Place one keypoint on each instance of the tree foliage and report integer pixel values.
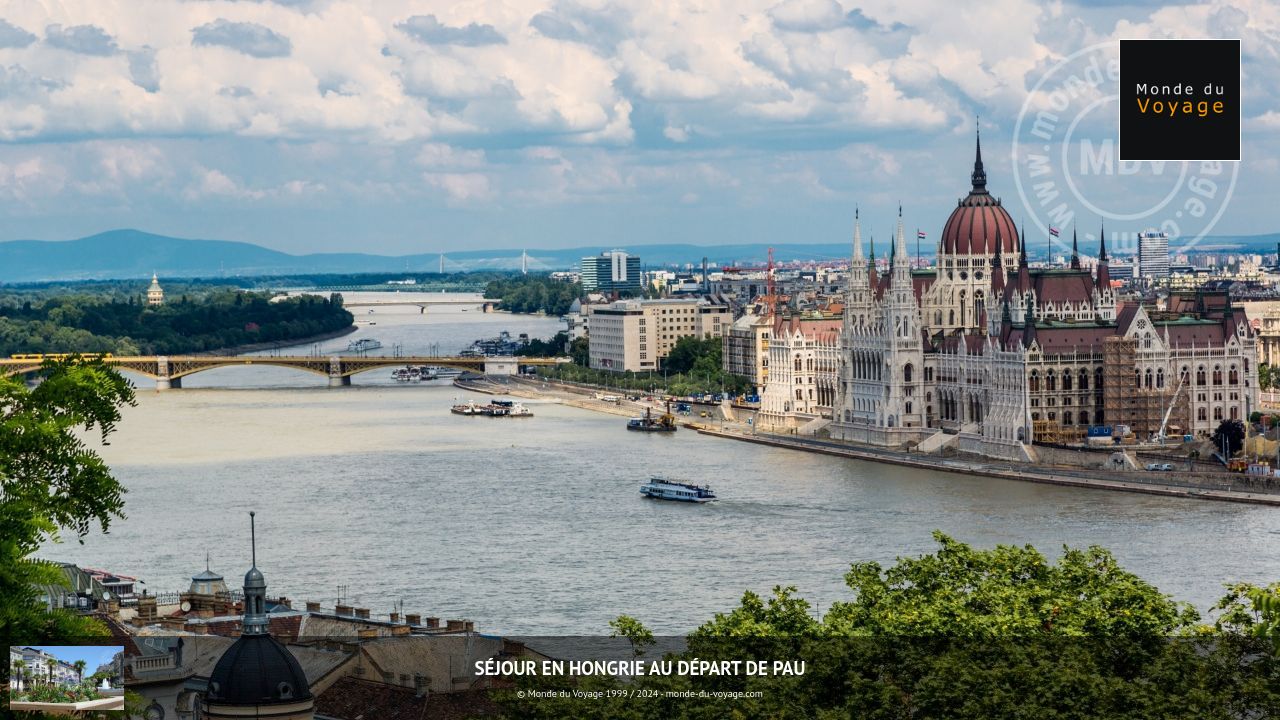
(210, 320)
(533, 293)
(966, 633)
(52, 482)
(1229, 434)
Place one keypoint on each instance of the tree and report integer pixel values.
(80, 665)
(1230, 433)
(51, 482)
(580, 351)
(969, 633)
(634, 631)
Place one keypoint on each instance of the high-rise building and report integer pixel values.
(612, 272)
(1153, 254)
(635, 335)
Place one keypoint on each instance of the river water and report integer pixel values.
(535, 526)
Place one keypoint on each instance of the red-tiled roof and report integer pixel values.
(977, 220)
(1058, 286)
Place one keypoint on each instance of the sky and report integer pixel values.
(93, 655)
(399, 127)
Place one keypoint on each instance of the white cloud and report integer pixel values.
(461, 188)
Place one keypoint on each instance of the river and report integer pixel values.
(535, 526)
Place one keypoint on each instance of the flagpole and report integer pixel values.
(917, 244)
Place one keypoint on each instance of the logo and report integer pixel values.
(1068, 169)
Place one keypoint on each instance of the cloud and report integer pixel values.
(143, 69)
(83, 39)
(426, 29)
(249, 38)
(461, 188)
(12, 36)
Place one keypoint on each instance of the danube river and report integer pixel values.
(535, 526)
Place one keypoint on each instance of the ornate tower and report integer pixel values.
(257, 677)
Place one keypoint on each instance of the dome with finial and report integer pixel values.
(979, 219)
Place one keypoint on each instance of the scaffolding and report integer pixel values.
(1128, 402)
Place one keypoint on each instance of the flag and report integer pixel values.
(920, 235)
(1053, 231)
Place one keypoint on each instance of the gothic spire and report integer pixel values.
(997, 266)
(1102, 243)
(1075, 249)
(857, 237)
(979, 175)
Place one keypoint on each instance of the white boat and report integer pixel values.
(363, 345)
(663, 489)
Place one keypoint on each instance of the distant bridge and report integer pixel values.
(168, 371)
(487, 304)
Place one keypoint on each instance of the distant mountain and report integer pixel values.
(122, 254)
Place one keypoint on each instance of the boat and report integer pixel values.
(509, 408)
(467, 408)
(666, 422)
(363, 345)
(662, 489)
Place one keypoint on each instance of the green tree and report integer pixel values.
(634, 631)
(964, 633)
(580, 351)
(79, 665)
(1230, 434)
(52, 482)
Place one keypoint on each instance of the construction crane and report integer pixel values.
(1160, 436)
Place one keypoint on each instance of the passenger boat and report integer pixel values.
(363, 345)
(665, 422)
(663, 489)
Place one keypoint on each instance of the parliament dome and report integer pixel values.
(979, 220)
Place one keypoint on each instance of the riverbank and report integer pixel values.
(1204, 488)
(259, 347)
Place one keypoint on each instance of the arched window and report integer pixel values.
(951, 317)
(1160, 378)
(799, 364)
(1232, 376)
(1035, 381)
(1149, 375)
(1201, 415)
(1200, 375)
(937, 317)
(1050, 382)
(1084, 379)
(1066, 380)
(907, 372)
(1217, 374)
(1066, 418)
(1217, 413)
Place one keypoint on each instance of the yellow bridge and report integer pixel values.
(168, 371)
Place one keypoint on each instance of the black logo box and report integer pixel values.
(1177, 72)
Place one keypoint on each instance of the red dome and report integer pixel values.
(979, 219)
(982, 218)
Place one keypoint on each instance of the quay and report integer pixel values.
(1057, 476)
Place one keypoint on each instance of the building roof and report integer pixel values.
(257, 670)
(1074, 286)
(979, 220)
(356, 699)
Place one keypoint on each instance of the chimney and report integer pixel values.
(362, 613)
(433, 622)
(468, 625)
(313, 607)
(413, 619)
(343, 610)
(395, 617)
(454, 625)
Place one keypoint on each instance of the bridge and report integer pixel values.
(424, 303)
(168, 371)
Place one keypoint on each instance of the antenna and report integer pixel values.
(253, 538)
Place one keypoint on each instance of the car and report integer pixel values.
(1154, 467)
(1167, 467)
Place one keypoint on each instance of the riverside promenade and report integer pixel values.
(1050, 475)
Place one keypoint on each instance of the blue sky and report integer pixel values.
(399, 126)
(93, 655)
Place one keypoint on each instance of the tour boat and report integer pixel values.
(663, 489)
(507, 408)
(363, 345)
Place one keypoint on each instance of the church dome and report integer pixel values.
(257, 670)
(979, 220)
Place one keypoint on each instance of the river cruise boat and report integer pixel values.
(648, 422)
(663, 489)
(363, 345)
